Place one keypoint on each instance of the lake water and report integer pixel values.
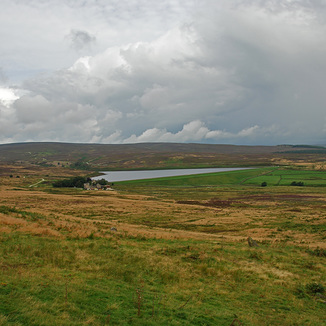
(115, 176)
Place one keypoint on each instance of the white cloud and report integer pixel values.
(195, 131)
(38, 33)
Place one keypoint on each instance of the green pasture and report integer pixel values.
(206, 179)
(137, 281)
(284, 177)
(273, 176)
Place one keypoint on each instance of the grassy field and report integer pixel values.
(273, 176)
(164, 252)
(281, 177)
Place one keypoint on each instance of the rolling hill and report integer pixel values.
(152, 155)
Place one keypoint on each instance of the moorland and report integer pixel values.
(170, 251)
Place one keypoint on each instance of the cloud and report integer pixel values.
(3, 76)
(31, 109)
(81, 39)
(244, 72)
(192, 131)
(35, 31)
(196, 131)
(7, 96)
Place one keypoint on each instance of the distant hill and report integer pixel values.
(150, 155)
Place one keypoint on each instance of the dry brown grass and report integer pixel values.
(81, 214)
(214, 274)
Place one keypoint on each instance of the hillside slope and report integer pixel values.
(151, 155)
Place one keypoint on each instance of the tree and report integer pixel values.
(102, 182)
(77, 182)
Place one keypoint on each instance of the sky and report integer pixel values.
(245, 72)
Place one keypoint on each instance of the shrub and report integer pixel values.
(317, 252)
(314, 288)
(297, 184)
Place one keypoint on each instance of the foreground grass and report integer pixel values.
(138, 281)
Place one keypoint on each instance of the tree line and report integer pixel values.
(77, 182)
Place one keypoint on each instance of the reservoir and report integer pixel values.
(115, 176)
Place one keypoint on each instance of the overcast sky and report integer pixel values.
(125, 71)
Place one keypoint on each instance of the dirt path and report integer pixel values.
(35, 184)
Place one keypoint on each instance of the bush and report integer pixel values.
(317, 252)
(297, 184)
(314, 288)
(264, 184)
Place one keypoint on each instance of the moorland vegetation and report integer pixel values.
(170, 251)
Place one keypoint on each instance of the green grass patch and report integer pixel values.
(272, 176)
(304, 227)
(284, 177)
(207, 179)
(131, 280)
(29, 216)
